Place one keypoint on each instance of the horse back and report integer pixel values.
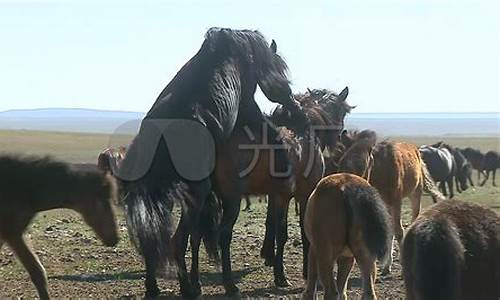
(397, 169)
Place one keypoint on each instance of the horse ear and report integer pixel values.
(309, 90)
(273, 46)
(343, 95)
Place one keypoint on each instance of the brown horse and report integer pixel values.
(491, 164)
(452, 251)
(30, 185)
(345, 220)
(397, 172)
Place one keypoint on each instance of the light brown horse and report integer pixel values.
(29, 185)
(452, 251)
(397, 172)
(345, 220)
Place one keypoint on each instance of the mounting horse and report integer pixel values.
(463, 170)
(476, 159)
(397, 171)
(452, 251)
(345, 220)
(32, 184)
(490, 164)
(441, 165)
(174, 154)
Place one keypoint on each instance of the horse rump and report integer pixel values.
(432, 258)
(366, 207)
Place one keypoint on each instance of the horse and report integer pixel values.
(491, 163)
(325, 111)
(345, 219)
(395, 169)
(172, 158)
(476, 159)
(34, 184)
(441, 165)
(463, 171)
(452, 251)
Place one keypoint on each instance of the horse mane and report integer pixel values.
(249, 48)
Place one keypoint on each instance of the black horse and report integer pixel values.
(491, 164)
(172, 157)
(463, 171)
(476, 159)
(441, 165)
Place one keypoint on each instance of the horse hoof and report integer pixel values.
(281, 282)
(152, 293)
(232, 291)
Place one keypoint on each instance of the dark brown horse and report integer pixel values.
(476, 159)
(345, 220)
(31, 184)
(490, 164)
(174, 154)
(452, 251)
(397, 172)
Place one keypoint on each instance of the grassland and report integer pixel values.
(78, 266)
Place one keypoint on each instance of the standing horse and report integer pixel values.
(30, 185)
(325, 111)
(173, 155)
(463, 170)
(441, 165)
(452, 251)
(476, 159)
(491, 164)
(397, 172)
(345, 220)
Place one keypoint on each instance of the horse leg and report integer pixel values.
(180, 238)
(281, 204)
(442, 187)
(305, 241)
(231, 210)
(247, 203)
(494, 173)
(312, 278)
(486, 177)
(367, 267)
(395, 210)
(344, 269)
(450, 187)
(195, 242)
(326, 258)
(267, 251)
(457, 184)
(31, 264)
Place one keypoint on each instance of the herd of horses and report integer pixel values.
(348, 185)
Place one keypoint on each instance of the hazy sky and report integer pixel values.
(395, 55)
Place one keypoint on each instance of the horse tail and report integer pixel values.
(429, 185)
(366, 207)
(432, 255)
(211, 215)
(150, 220)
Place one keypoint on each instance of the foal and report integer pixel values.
(29, 185)
(395, 169)
(452, 251)
(345, 220)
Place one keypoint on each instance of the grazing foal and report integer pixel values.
(29, 185)
(452, 251)
(345, 220)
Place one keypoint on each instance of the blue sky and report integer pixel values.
(395, 55)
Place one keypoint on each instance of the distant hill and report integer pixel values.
(386, 124)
